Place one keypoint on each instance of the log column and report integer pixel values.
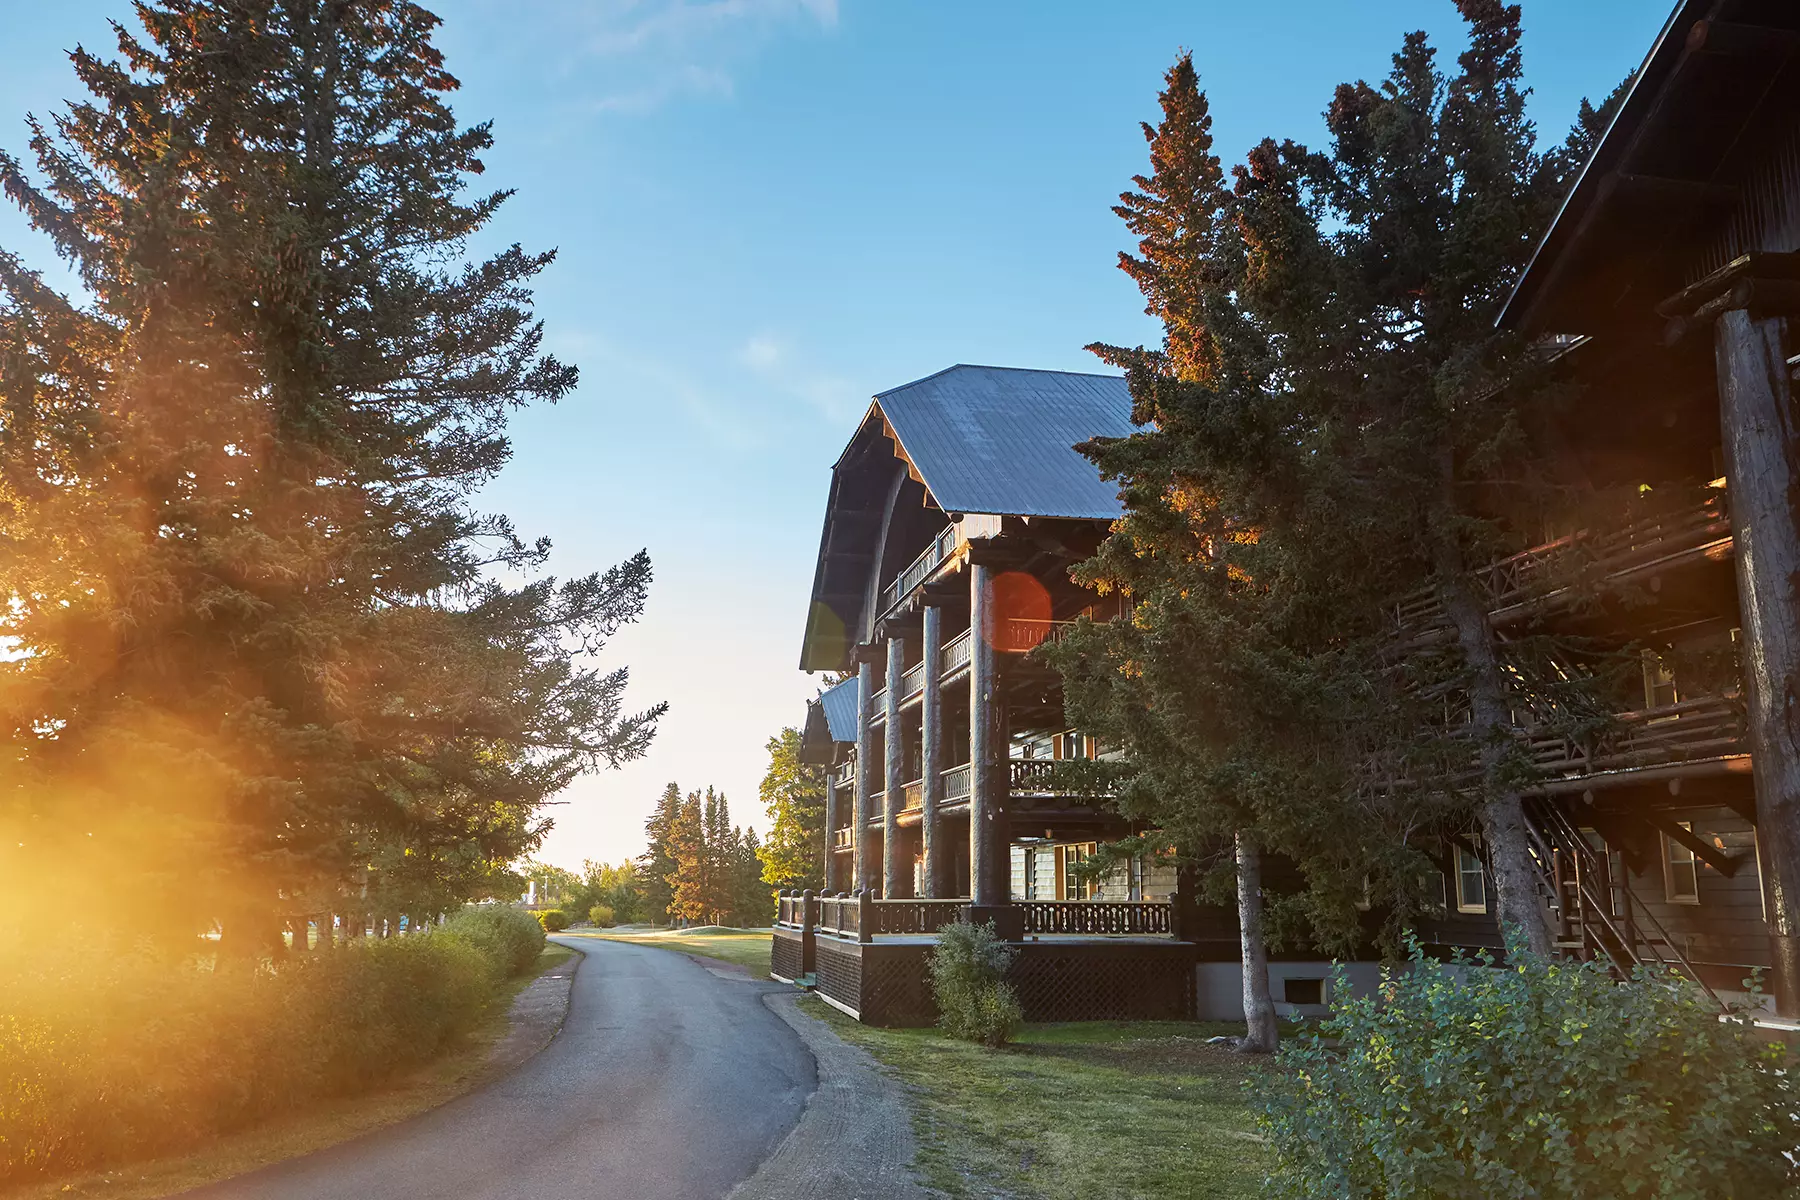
(896, 878)
(987, 761)
(931, 730)
(863, 864)
(1757, 423)
(833, 819)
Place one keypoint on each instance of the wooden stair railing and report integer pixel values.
(1592, 908)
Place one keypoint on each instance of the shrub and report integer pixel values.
(1543, 1079)
(553, 920)
(968, 977)
(601, 915)
(164, 1052)
(510, 938)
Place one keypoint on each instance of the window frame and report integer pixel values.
(1671, 848)
(1459, 853)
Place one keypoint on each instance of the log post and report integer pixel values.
(896, 873)
(833, 821)
(863, 863)
(931, 732)
(1757, 424)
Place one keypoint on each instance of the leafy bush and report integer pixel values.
(164, 1052)
(553, 920)
(509, 938)
(601, 915)
(968, 977)
(1544, 1079)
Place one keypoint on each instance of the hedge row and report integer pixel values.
(110, 1058)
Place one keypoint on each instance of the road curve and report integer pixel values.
(667, 1082)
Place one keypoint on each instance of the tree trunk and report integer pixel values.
(1756, 417)
(1502, 810)
(1260, 1033)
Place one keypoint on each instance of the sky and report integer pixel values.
(766, 211)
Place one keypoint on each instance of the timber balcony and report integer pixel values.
(1544, 577)
(919, 569)
(1076, 960)
(1031, 788)
(1012, 635)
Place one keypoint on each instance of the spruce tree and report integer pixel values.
(657, 867)
(265, 638)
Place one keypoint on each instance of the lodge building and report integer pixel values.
(1671, 835)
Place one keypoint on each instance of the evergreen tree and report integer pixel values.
(753, 898)
(657, 867)
(262, 634)
(690, 882)
(793, 795)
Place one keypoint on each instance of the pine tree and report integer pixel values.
(793, 795)
(265, 640)
(753, 898)
(657, 867)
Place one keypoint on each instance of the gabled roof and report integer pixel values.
(1001, 439)
(1719, 85)
(839, 705)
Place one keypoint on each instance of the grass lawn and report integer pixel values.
(1145, 1110)
(745, 947)
(458, 1070)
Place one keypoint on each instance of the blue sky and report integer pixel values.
(768, 210)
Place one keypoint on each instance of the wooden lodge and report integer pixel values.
(1665, 289)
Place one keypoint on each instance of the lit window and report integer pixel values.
(1659, 682)
(1074, 887)
(1471, 883)
(1681, 870)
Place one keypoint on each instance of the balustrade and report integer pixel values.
(956, 783)
(913, 796)
(840, 838)
(1705, 727)
(839, 915)
(955, 653)
(919, 569)
(1017, 635)
(1143, 918)
(913, 682)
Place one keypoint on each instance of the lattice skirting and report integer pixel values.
(890, 984)
(787, 957)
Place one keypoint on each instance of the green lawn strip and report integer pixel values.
(458, 1070)
(1141, 1110)
(745, 947)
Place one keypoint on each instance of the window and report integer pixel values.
(1068, 858)
(1659, 682)
(1681, 870)
(1471, 883)
(1303, 991)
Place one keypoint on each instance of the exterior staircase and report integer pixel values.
(1593, 913)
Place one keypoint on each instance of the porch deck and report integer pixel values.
(1093, 961)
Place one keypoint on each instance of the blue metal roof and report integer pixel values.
(1001, 439)
(839, 703)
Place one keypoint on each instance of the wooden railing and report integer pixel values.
(1016, 635)
(912, 795)
(1593, 911)
(841, 838)
(955, 652)
(839, 915)
(791, 909)
(917, 916)
(1706, 727)
(913, 681)
(956, 782)
(1037, 777)
(1143, 918)
(919, 569)
(1543, 571)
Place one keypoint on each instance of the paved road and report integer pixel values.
(667, 1082)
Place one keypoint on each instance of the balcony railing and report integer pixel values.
(840, 915)
(1140, 918)
(955, 652)
(913, 682)
(1017, 635)
(956, 783)
(913, 796)
(919, 569)
(1036, 777)
(1543, 572)
(917, 916)
(1705, 727)
(841, 838)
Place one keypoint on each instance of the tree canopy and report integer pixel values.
(261, 639)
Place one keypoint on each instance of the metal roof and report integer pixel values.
(839, 703)
(1001, 439)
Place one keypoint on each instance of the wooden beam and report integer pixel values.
(1726, 864)
(1667, 192)
(1736, 39)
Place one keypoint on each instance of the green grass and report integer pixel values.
(746, 947)
(1138, 1110)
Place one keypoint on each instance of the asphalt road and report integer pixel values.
(667, 1082)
